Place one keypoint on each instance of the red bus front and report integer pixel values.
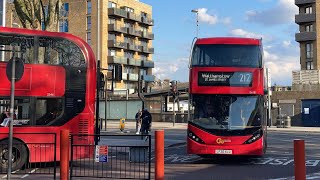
(227, 98)
(57, 91)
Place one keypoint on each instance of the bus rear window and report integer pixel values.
(41, 50)
(226, 55)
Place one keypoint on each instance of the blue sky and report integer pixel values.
(271, 20)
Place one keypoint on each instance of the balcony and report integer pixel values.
(134, 17)
(133, 32)
(117, 12)
(147, 64)
(134, 62)
(117, 44)
(303, 2)
(148, 78)
(305, 36)
(115, 28)
(305, 18)
(147, 50)
(117, 60)
(124, 76)
(147, 21)
(132, 47)
(133, 77)
(147, 35)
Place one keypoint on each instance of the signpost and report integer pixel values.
(13, 76)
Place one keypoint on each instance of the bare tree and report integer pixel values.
(32, 13)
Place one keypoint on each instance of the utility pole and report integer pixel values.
(197, 14)
(173, 85)
(269, 94)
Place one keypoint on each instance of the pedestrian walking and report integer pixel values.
(146, 120)
(138, 121)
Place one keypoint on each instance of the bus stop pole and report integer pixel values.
(11, 117)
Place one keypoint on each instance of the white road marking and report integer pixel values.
(13, 172)
(32, 171)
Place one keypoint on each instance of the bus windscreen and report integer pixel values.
(227, 112)
(227, 55)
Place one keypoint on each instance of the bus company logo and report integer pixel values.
(222, 141)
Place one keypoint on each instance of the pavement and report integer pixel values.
(130, 126)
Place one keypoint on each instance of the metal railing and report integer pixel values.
(36, 157)
(115, 157)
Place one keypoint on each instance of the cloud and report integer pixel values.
(244, 33)
(282, 13)
(170, 70)
(212, 19)
(281, 67)
(286, 44)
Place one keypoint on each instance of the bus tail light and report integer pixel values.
(256, 135)
(194, 137)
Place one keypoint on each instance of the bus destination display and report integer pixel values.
(241, 79)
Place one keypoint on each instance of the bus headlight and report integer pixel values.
(194, 137)
(256, 135)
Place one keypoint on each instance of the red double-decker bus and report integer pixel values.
(227, 97)
(57, 91)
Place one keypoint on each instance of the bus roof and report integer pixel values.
(229, 40)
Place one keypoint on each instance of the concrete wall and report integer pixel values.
(292, 98)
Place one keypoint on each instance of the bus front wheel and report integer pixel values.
(19, 155)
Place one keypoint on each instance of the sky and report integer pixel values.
(272, 20)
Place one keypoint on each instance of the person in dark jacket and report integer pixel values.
(146, 121)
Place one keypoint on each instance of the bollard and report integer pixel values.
(64, 154)
(299, 160)
(159, 155)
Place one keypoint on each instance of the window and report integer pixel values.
(144, 15)
(111, 21)
(64, 12)
(128, 54)
(309, 28)
(111, 52)
(309, 50)
(88, 22)
(89, 7)
(144, 43)
(128, 9)
(309, 65)
(63, 25)
(112, 37)
(112, 4)
(143, 57)
(128, 25)
(128, 69)
(143, 72)
(308, 10)
(129, 40)
(42, 111)
(89, 38)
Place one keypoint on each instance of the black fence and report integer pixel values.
(115, 157)
(37, 156)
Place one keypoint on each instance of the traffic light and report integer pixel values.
(118, 72)
(173, 86)
(102, 81)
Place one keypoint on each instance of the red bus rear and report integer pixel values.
(227, 98)
(57, 91)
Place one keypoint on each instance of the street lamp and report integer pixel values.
(197, 13)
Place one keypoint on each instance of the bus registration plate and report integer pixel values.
(222, 151)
